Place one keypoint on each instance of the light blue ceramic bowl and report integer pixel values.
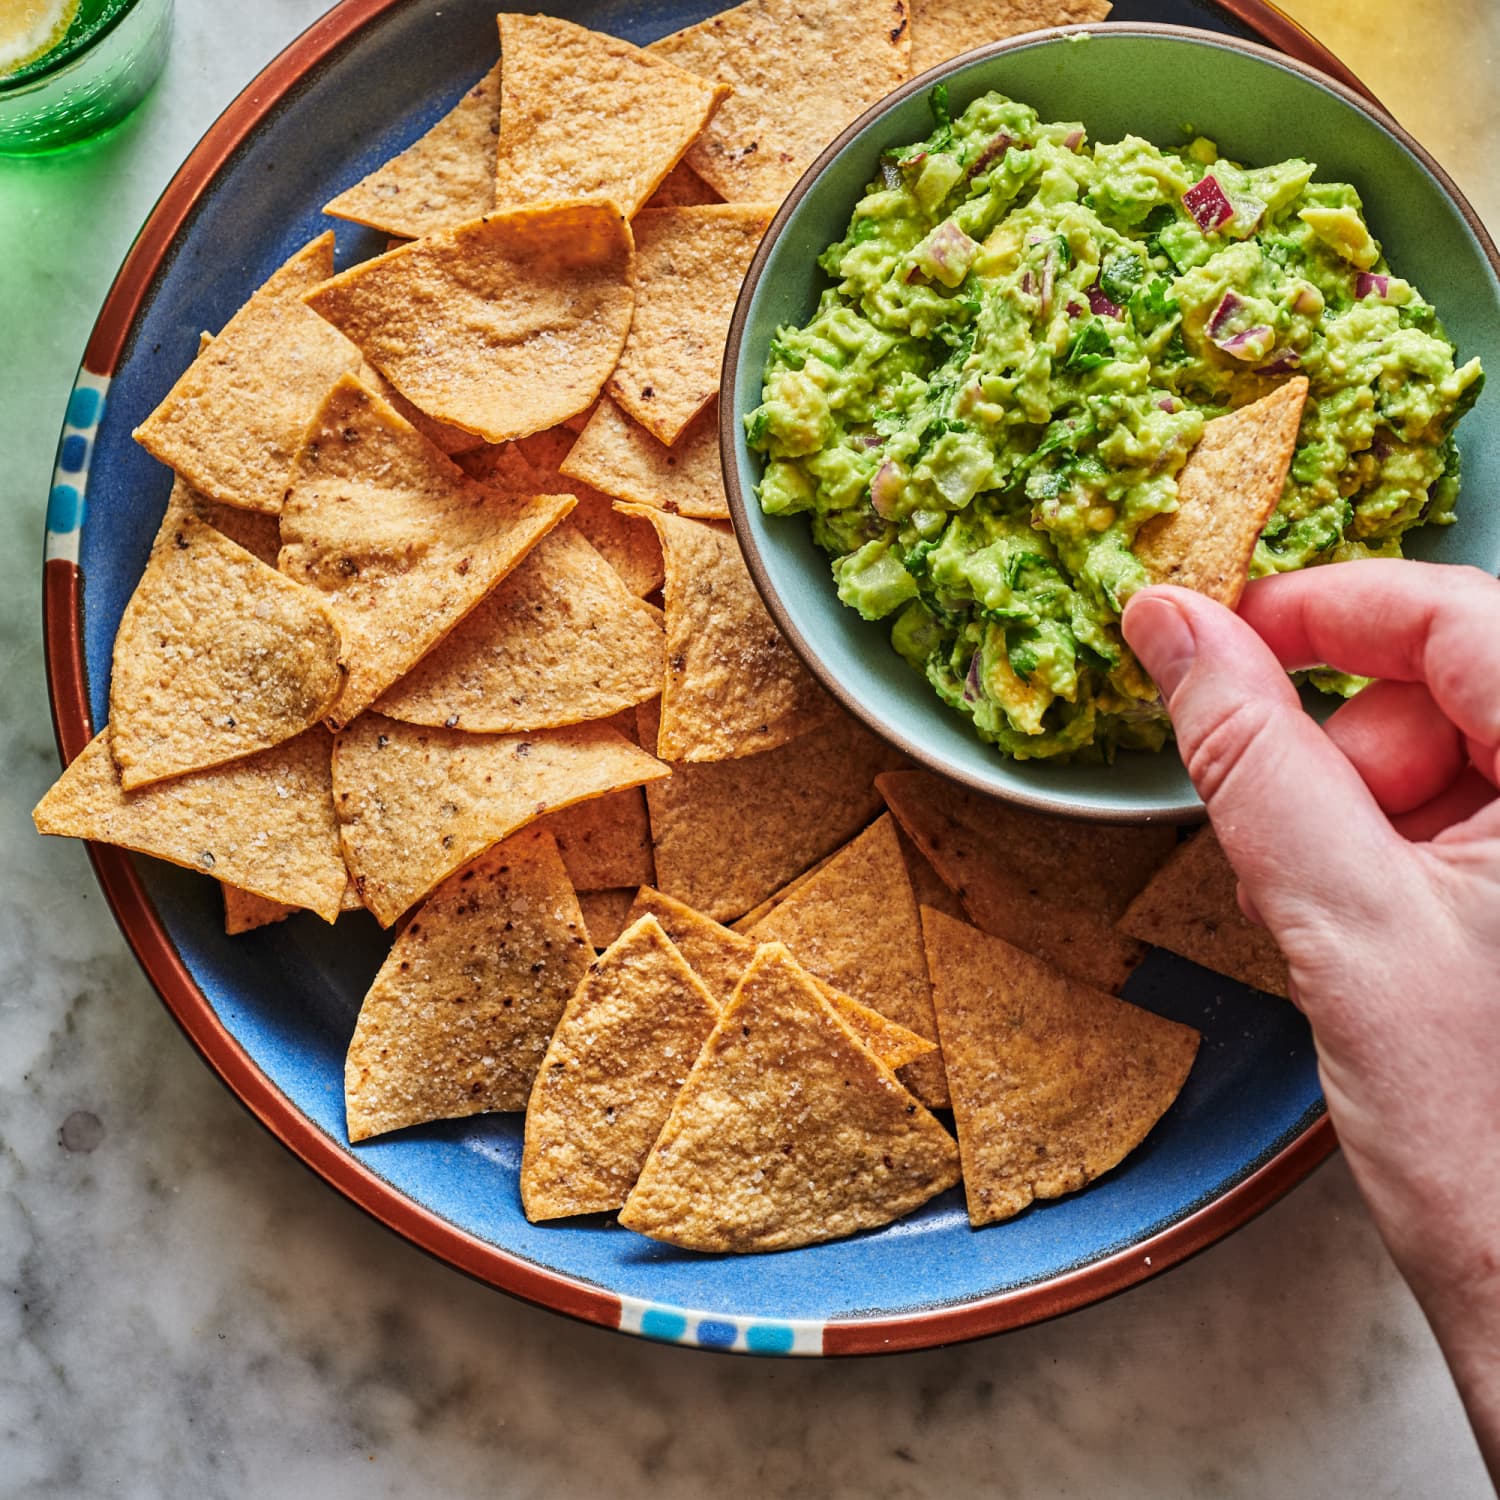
(1167, 84)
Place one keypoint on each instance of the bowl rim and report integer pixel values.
(731, 435)
(150, 941)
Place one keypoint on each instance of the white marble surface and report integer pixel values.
(186, 1312)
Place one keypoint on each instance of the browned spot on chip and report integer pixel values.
(1226, 492)
(625, 1044)
(788, 1131)
(941, 29)
(460, 1014)
(1053, 1082)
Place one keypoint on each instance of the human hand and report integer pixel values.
(1370, 847)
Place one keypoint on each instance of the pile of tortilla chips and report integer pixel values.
(444, 622)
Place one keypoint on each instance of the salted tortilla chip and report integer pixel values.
(445, 177)
(728, 833)
(619, 457)
(855, 926)
(414, 804)
(258, 532)
(1053, 1082)
(605, 842)
(234, 421)
(627, 543)
(452, 440)
(460, 1014)
(689, 266)
(1190, 908)
(619, 1057)
(1052, 886)
(733, 686)
(502, 325)
(217, 656)
(244, 911)
(264, 823)
(801, 70)
(941, 29)
(926, 884)
(1226, 492)
(766, 907)
(787, 1131)
(719, 957)
(561, 640)
(605, 914)
(398, 541)
(682, 187)
(585, 115)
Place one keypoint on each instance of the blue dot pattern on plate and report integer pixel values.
(673, 1325)
(70, 477)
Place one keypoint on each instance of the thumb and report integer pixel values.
(1292, 813)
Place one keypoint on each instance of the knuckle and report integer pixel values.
(1220, 749)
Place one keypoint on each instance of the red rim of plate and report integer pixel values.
(148, 938)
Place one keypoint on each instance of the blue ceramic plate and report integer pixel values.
(272, 1011)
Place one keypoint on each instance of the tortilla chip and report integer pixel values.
(689, 266)
(452, 440)
(255, 530)
(729, 833)
(801, 70)
(1053, 1082)
(605, 842)
(605, 914)
(626, 543)
(1189, 907)
(926, 884)
(941, 29)
(787, 1131)
(1226, 492)
(460, 1014)
(397, 540)
(621, 458)
(619, 1057)
(585, 115)
(217, 656)
(443, 178)
(561, 640)
(855, 926)
(1052, 886)
(682, 187)
(501, 326)
(244, 911)
(766, 907)
(234, 421)
(415, 804)
(719, 957)
(733, 685)
(264, 823)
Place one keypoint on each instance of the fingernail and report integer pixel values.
(1158, 633)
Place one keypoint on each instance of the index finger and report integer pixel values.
(1404, 621)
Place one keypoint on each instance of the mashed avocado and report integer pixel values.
(1024, 338)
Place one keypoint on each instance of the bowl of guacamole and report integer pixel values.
(983, 340)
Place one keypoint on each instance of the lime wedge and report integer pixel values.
(28, 28)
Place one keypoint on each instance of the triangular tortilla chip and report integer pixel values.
(605, 914)
(855, 926)
(1052, 886)
(1226, 492)
(1190, 908)
(801, 70)
(244, 911)
(452, 440)
(399, 541)
(766, 907)
(729, 833)
(264, 823)
(619, 1057)
(682, 187)
(689, 266)
(460, 1014)
(733, 685)
(645, 112)
(941, 29)
(443, 178)
(257, 531)
(234, 420)
(605, 842)
(926, 884)
(626, 543)
(501, 326)
(621, 458)
(719, 957)
(217, 656)
(787, 1131)
(1053, 1082)
(561, 640)
(415, 804)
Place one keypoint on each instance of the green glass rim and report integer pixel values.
(52, 63)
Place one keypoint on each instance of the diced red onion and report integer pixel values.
(1208, 204)
(1229, 305)
(1049, 276)
(1167, 404)
(1028, 285)
(911, 163)
(1075, 309)
(1101, 304)
(1251, 344)
(950, 250)
(870, 440)
(998, 146)
(1371, 281)
(1280, 362)
(1073, 140)
(1308, 301)
(915, 275)
(973, 690)
(885, 489)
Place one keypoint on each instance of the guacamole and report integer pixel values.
(1024, 337)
